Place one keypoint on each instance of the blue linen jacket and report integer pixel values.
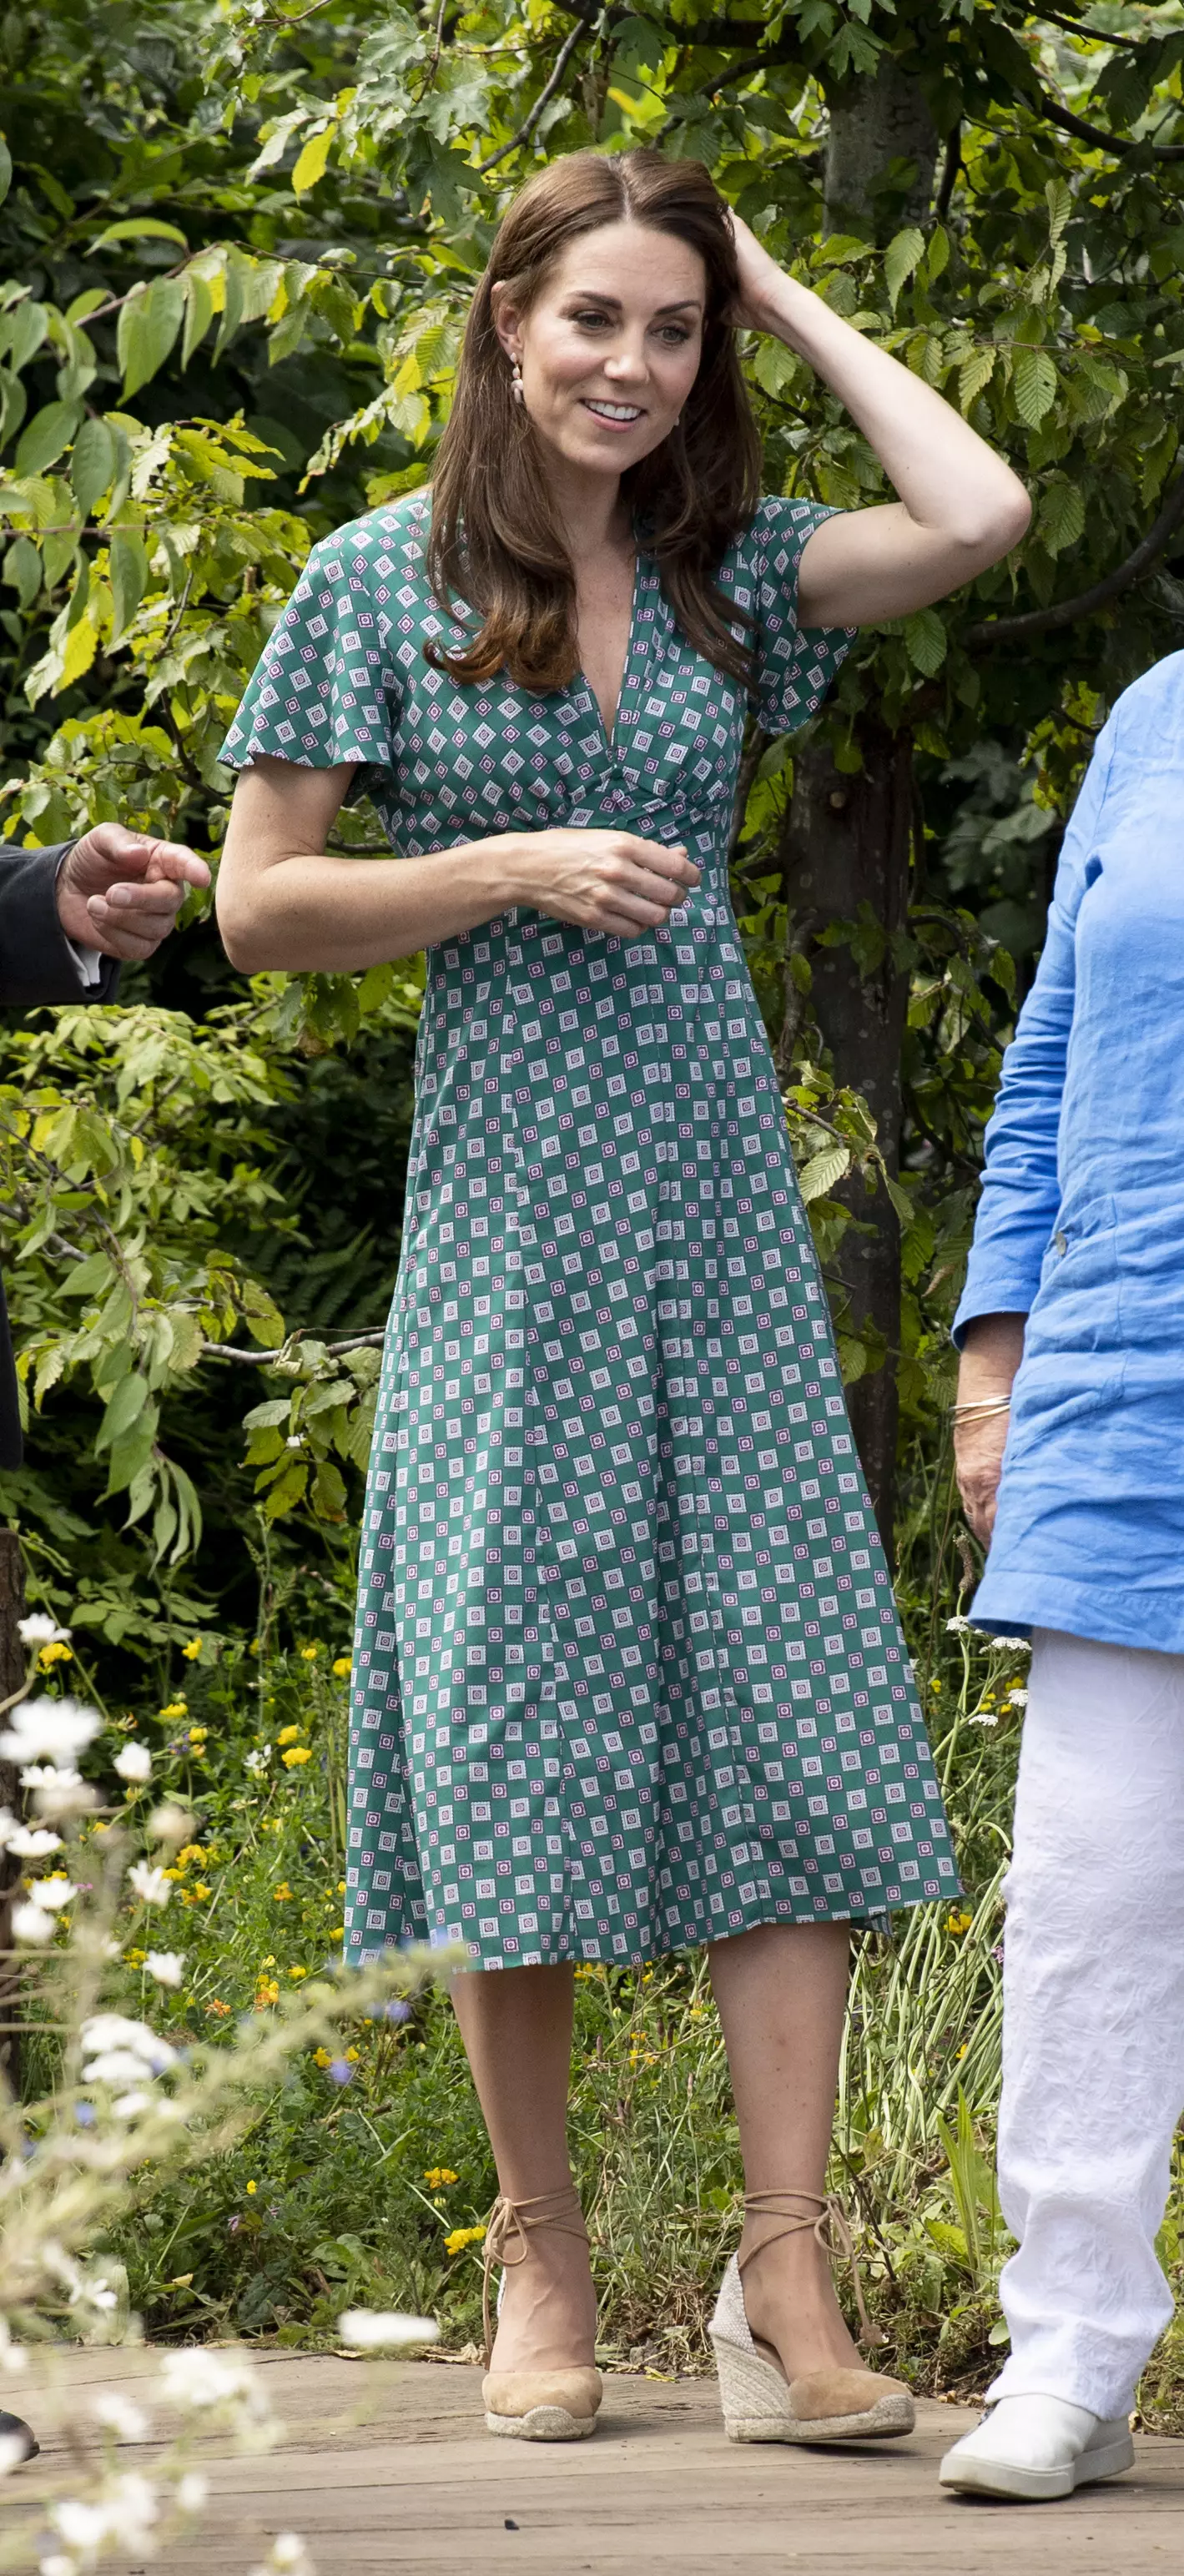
(1081, 1220)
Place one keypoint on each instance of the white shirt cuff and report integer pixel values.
(89, 962)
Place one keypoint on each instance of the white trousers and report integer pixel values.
(1093, 2030)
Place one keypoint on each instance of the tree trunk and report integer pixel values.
(847, 842)
(12, 1674)
(873, 122)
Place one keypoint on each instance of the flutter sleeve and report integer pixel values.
(326, 687)
(1021, 1188)
(795, 665)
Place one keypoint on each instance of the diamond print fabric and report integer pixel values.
(628, 1672)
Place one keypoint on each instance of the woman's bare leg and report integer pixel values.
(516, 2024)
(781, 1993)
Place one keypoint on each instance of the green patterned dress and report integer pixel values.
(628, 1672)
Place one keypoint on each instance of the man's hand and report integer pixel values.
(121, 891)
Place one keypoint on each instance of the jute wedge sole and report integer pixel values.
(1106, 2456)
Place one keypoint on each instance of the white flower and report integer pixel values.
(199, 2377)
(58, 1790)
(1017, 1698)
(13, 2356)
(12, 2452)
(134, 1763)
(150, 1885)
(192, 2491)
(53, 1893)
(126, 2106)
(124, 2513)
(171, 1825)
(166, 1966)
(54, 1730)
(983, 1717)
(121, 2416)
(114, 2066)
(30, 1843)
(148, 2052)
(40, 1630)
(368, 2328)
(957, 1627)
(287, 2556)
(29, 1923)
(258, 1760)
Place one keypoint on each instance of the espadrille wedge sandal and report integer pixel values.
(760, 2404)
(534, 2405)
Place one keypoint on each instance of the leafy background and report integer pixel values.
(236, 247)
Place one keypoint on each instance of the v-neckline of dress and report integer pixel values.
(610, 736)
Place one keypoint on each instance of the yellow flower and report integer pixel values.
(297, 1972)
(439, 2176)
(338, 1932)
(268, 1962)
(55, 1654)
(282, 1892)
(266, 1992)
(321, 2057)
(351, 2057)
(342, 1665)
(192, 1851)
(217, 2007)
(134, 1958)
(197, 1894)
(308, 1654)
(959, 1922)
(176, 1708)
(935, 1684)
(192, 1650)
(253, 1648)
(295, 1755)
(462, 2236)
(341, 1887)
(287, 1735)
(197, 1737)
(252, 2188)
(180, 2282)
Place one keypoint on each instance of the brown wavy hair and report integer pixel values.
(494, 541)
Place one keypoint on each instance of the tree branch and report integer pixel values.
(1097, 35)
(1040, 621)
(1051, 108)
(267, 1359)
(950, 169)
(546, 94)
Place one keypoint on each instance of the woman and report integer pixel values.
(629, 1675)
(1071, 1412)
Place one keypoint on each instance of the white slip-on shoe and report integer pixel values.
(1033, 2449)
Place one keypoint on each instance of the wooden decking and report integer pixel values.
(388, 2466)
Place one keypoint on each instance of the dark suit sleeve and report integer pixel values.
(37, 963)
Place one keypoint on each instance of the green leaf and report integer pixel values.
(22, 570)
(901, 258)
(5, 169)
(129, 577)
(1060, 207)
(22, 331)
(925, 641)
(1061, 517)
(974, 375)
(137, 228)
(50, 430)
(199, 312)
(311, 163)
(148, 326)
(823, 1172)
(93, 464)
(1033, 385)
(124, 1409)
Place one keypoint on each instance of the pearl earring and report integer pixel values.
(516, 381)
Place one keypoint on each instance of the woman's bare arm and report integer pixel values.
(283, 902)
(960, 505)
(991, 1354)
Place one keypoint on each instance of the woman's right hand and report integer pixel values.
(608, 881)
(991, 1354)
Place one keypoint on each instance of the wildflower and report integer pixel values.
(198, 2377)
(287, 2556)
(125, 2514)
(295, 1755)
(959, 1922)
(40, 1630)
(120, 2415)
(1017, 1698)
(266, 1992)
(107, 2032)
(259, 1759)
(462, 2236)
(369, 2328)
(398, 2010)
(54, 1893)
(197, 1738)
(52, 1730)
(192, 1851)
(935, 1684)
(341, 1887)
(282, 1893)
(134, 1763)
(192, 2491)
(439, 2176)
(342, 1665)
(308, 1654)
(220, 2010)
(341, 2070)
(85, 2114)
(57, 1653)
(252, 2188)
(321, 2057)
(152, 1886)
(176, 1708)
(269, 1961)
(338, 1932)
(196, 1895)
(192, 1650)
(134, 1958)
(30, 1923)
(287, 1735)
(297, 1973)
(957, 1627)
(169, 1824)
(165, 1965)
(26, 1841)
(984, 1716)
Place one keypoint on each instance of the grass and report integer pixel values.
(365, 2180)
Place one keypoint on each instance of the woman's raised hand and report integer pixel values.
(760, 277)
(608, 881)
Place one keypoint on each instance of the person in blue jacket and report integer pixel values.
(1070, 1445)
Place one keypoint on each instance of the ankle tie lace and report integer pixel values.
(826, 2220)
(507, 2237)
